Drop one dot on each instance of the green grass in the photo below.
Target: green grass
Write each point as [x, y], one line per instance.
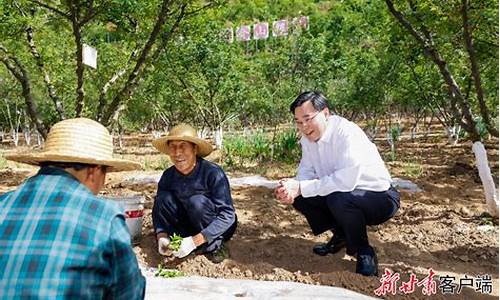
[486, 219]
[411, 169]
[260, 147]
[159, 164]
[3, 161]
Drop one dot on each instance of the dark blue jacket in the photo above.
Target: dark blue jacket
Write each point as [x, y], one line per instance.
[206, 179]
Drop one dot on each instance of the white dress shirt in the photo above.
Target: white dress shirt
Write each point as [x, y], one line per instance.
[342, 160]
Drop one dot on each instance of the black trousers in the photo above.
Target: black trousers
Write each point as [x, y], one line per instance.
[188, 218]
[348, 213]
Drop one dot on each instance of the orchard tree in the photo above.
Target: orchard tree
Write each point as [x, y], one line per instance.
[42, 44]
[430, 23]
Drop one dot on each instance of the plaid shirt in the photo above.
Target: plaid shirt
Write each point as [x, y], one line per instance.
[59, 241]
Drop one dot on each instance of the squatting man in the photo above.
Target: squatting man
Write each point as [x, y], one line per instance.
[193, 198]
[342, 183]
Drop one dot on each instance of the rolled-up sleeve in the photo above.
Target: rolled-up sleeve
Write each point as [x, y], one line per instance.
[221, 197]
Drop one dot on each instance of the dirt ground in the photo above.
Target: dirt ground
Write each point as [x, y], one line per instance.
[441, 227]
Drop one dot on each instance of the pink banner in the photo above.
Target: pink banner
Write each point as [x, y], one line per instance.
[243, 33]
[261, 31]
[280, 28]
[300, 23]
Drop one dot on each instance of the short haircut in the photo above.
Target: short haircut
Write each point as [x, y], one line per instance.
[317, 99]
[66, 165]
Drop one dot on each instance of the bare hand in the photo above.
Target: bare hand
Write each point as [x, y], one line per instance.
[280, 192]
[287, 191]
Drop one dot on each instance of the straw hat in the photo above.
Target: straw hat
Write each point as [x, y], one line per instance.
[77, 140]
[183, 132]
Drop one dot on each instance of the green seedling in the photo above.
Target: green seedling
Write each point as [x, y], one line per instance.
[175, 242]
[168, 273]
[486, 219]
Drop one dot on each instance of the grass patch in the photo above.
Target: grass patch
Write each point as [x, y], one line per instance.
[260, 147]
[271, 170]
[411, 169]
[487, 219]
[156, 163]
[3, 161]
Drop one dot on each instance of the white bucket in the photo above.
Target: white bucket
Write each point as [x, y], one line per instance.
[134, 210]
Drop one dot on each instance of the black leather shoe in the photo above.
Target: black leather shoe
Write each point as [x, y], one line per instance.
[333, 246]
[367, 263]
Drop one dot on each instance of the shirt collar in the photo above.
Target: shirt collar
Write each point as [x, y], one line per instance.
[54, 171]
[327, 135]
[49, 170]
[193, 172]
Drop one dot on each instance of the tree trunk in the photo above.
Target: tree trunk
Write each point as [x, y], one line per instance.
[218, 137]
[19, 71]
[425, 40]
[39, 139]
[456, 97]
[486, 178]
[475, 71]
[80, 93]
[106, 117]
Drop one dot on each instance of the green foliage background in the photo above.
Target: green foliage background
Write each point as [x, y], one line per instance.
[354, 51]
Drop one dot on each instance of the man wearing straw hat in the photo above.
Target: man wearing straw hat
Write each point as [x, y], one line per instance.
[193, 198]
[57, 239]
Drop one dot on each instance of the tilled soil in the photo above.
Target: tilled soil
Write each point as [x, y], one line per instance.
[273, 242]
[442, 227]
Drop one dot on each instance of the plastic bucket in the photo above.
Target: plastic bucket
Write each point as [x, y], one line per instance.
[133, 207]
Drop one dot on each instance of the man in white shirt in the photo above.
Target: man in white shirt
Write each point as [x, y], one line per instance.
[342, 183]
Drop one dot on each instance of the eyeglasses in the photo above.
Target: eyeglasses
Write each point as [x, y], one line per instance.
[306, 120]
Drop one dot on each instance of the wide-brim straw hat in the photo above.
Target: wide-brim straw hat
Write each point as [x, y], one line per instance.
[183, 132]
[77, 140]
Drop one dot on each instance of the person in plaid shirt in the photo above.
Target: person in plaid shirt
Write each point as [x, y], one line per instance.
[57, 239]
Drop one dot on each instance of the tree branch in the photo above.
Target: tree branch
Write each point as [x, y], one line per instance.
[195, 11]
[50, 87]
[475, 70]
[132, 79]
[424, 29]
[89, 15]
[19, 71]
[80, 93]
[165, 38]
[453, 88]
[92, 12]
[66, 15]
[105, 88]
[406, 24]
[200, 108]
